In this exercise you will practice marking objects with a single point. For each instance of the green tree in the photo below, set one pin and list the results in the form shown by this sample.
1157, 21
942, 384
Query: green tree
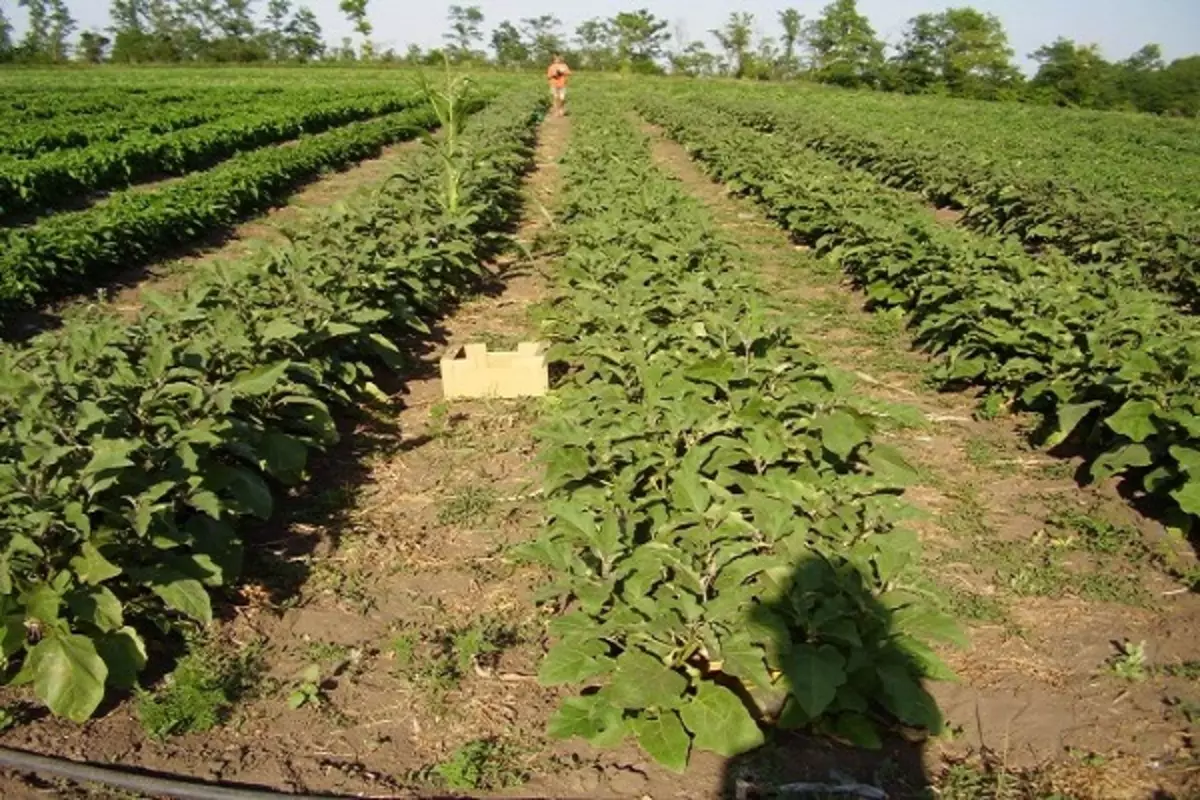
509, 47
466, 30
976, 60
845, 49
274, 33
792, 22
304, 42
640, 38
1180, 84
694, 60
6, 45
735, 38
1072, 74
918, 65
356, 12
545, 38
92, 47
36, 43
597, 45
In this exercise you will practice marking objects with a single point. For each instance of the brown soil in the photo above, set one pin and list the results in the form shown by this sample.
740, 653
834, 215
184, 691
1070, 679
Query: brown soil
1034, 685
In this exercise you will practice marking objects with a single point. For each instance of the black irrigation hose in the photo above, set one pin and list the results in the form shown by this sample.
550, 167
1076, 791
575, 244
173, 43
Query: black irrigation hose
143, 783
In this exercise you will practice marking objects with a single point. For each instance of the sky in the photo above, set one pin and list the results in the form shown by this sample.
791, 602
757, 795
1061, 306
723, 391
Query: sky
1119, 26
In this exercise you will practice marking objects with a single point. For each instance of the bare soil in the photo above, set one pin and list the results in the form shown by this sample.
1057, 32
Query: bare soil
1007, 549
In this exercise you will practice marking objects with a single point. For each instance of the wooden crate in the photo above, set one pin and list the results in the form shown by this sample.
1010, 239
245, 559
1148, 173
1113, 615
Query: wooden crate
471, 371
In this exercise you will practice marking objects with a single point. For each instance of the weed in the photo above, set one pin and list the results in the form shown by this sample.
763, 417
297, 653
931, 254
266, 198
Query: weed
439, 420
1184, 710
992, 406
441, 660
984, 455
404, 649
1188, 670
8, 718
326, 652
308, 690
1129, 662
482, 765
499, 342
471, 505
1099, 535
198, 694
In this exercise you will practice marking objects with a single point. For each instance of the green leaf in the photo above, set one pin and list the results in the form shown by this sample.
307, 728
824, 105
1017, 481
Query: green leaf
255, 382
283, 457
907, 699
110, 454
858, 730
815, 675
643, 681
97, 605
664, 740
69, 675
185, 595
92, 567
591, 717
1188, 496
1120, 460
124, 654
1188, 458
281, 329
689, 493
742, 658
719, 722
574, 661
842, 432
1135, 420
890, 466
1069, 417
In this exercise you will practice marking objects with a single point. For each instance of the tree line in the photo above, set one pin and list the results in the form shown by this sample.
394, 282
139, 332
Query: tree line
960, 52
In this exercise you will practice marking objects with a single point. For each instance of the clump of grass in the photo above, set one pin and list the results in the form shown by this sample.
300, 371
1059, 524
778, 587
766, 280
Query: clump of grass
482, 765
471, 505
197, 696
1130, 662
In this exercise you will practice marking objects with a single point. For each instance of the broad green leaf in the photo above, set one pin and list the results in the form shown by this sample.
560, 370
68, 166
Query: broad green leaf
744, 659
719, 722
664, 740
889, 465
281, 329
591, 717
1069, 417
185, 595
1120, 460
1134, 420
858, 730
43, 603
97, 605
91, 566
574, 661
283, 456
1188, 458
124, 654
1188, 496
69, 675
689, 493
643, 681
259, 381
814, 675
842, 432
110, 454
907, 699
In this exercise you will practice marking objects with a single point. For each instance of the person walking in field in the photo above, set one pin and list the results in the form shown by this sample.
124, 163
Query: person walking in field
557, 74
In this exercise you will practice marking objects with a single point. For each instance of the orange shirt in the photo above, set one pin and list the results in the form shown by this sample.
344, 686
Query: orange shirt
557, 74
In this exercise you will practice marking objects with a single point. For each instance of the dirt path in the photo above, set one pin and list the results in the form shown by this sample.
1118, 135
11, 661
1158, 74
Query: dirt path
1046, 575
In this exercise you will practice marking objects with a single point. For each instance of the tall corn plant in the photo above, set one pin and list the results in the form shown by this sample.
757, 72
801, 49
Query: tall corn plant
450, 101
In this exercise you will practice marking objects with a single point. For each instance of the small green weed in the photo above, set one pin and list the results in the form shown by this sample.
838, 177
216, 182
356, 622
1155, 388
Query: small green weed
471, 505
482, 765
984, 455
326, 652
404, 650
1099, 535
1184, 710
992, 406
308, 691
199, 693
8, 718
1129, 663
441, 660
1188, 670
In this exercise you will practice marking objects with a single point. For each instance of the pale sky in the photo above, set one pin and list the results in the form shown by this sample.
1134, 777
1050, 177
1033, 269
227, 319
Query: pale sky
1119, 26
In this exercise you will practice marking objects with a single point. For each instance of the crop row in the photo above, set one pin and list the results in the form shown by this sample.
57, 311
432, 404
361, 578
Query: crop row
131, 452
57, 178
1151, 243
71, 251
722, 521
1116, 368
27, 139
